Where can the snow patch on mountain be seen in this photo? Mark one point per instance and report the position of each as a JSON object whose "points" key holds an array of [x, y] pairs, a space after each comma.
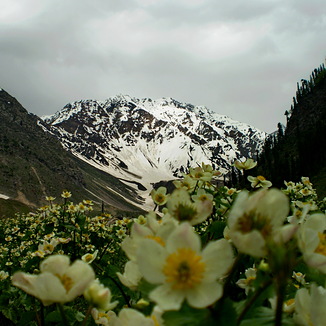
{"points": [[144, 141]]}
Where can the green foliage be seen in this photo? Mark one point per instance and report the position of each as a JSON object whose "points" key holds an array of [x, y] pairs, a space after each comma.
{"points": [[250, 286]]}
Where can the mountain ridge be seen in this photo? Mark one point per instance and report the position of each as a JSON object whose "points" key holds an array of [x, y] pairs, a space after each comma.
{"points": [[147, 141]]}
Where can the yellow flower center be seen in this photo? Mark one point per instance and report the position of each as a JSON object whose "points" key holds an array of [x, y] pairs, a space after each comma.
{"points": [[157, 239], [103, 315], [321, 249], [261, 178], [156, 323], [66, 281], [184, 212], [289, 302], [48, 247], [88, 257], [253, 221], [184, 269], [159, 198]]}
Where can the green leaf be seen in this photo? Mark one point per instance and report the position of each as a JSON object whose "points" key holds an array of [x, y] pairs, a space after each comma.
{"points": [[225, 313], [263, 316], [53, 316], [188, 316]]}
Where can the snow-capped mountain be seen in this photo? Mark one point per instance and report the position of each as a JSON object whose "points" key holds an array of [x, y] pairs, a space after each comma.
{"points": [[143, 141]]}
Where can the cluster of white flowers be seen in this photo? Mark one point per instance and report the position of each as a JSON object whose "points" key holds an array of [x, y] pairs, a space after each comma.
{"points": [[165, 249]]}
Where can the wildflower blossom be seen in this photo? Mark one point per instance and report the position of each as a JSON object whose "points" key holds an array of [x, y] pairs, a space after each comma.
{"points": [[99, 296], [182, 208], [3, 275], [159, 196], [310, 306], [58, 281], [187, 183], [101, 317], [259, 181], [66, 194], [89, 258], [257, 219], [199, 174], [246, 283], [153, 230], [182, 270], [312, 241], [246, 165], [132, 317]]}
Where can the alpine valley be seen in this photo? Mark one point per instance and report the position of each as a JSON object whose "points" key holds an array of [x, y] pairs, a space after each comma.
{"points": [[115, 151]]}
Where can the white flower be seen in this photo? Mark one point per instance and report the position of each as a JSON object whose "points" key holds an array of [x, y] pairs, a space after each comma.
{"points": [[259, 181], [159, 196], [246, 283], [3, 275], [288, 305], [256, 219], [99, 296], [58, 281], [248, 164], [131, 276], [89, 258], [131, 317], [310, 307], [183, 209], [182, 271], [102, 317], [154, 230], [312, 241]]}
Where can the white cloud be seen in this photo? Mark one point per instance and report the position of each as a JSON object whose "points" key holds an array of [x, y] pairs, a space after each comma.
{"points": [[240, 58]]}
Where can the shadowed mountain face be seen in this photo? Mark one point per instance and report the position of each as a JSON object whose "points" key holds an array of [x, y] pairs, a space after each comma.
{"points": [[145, 141], [33, 165]]}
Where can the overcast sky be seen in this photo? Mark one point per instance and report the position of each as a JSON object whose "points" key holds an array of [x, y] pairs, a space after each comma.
{"points": [[241, 58]]}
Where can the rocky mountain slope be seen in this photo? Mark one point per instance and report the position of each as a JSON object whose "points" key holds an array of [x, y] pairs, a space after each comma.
{"points": [[142, 141], [34, 165]]}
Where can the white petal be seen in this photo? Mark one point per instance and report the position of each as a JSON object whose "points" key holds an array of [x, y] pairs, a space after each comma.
{"points": [[204, 294], [316, 222], [167, 298], [274, 204], [183, 237], [218, 257], [56, 264], [238, 208], [131, 275], [131, 317], [251, 243], [82, 275], [318, 304], [151, 258]]}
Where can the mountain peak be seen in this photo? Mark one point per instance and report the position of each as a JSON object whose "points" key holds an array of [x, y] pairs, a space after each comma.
{"points": [[146, 141]]}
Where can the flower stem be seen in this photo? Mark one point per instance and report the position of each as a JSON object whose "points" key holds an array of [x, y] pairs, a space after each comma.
{"points": [[252, 300], [89, 310], [63, 315]]}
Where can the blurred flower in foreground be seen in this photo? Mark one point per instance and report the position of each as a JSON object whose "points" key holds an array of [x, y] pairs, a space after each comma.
{"points": [[103, 317], [132, 317], [99, 296], [58, 281], [312, 241], [182, 270], [257, 219], [310, 307]]}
